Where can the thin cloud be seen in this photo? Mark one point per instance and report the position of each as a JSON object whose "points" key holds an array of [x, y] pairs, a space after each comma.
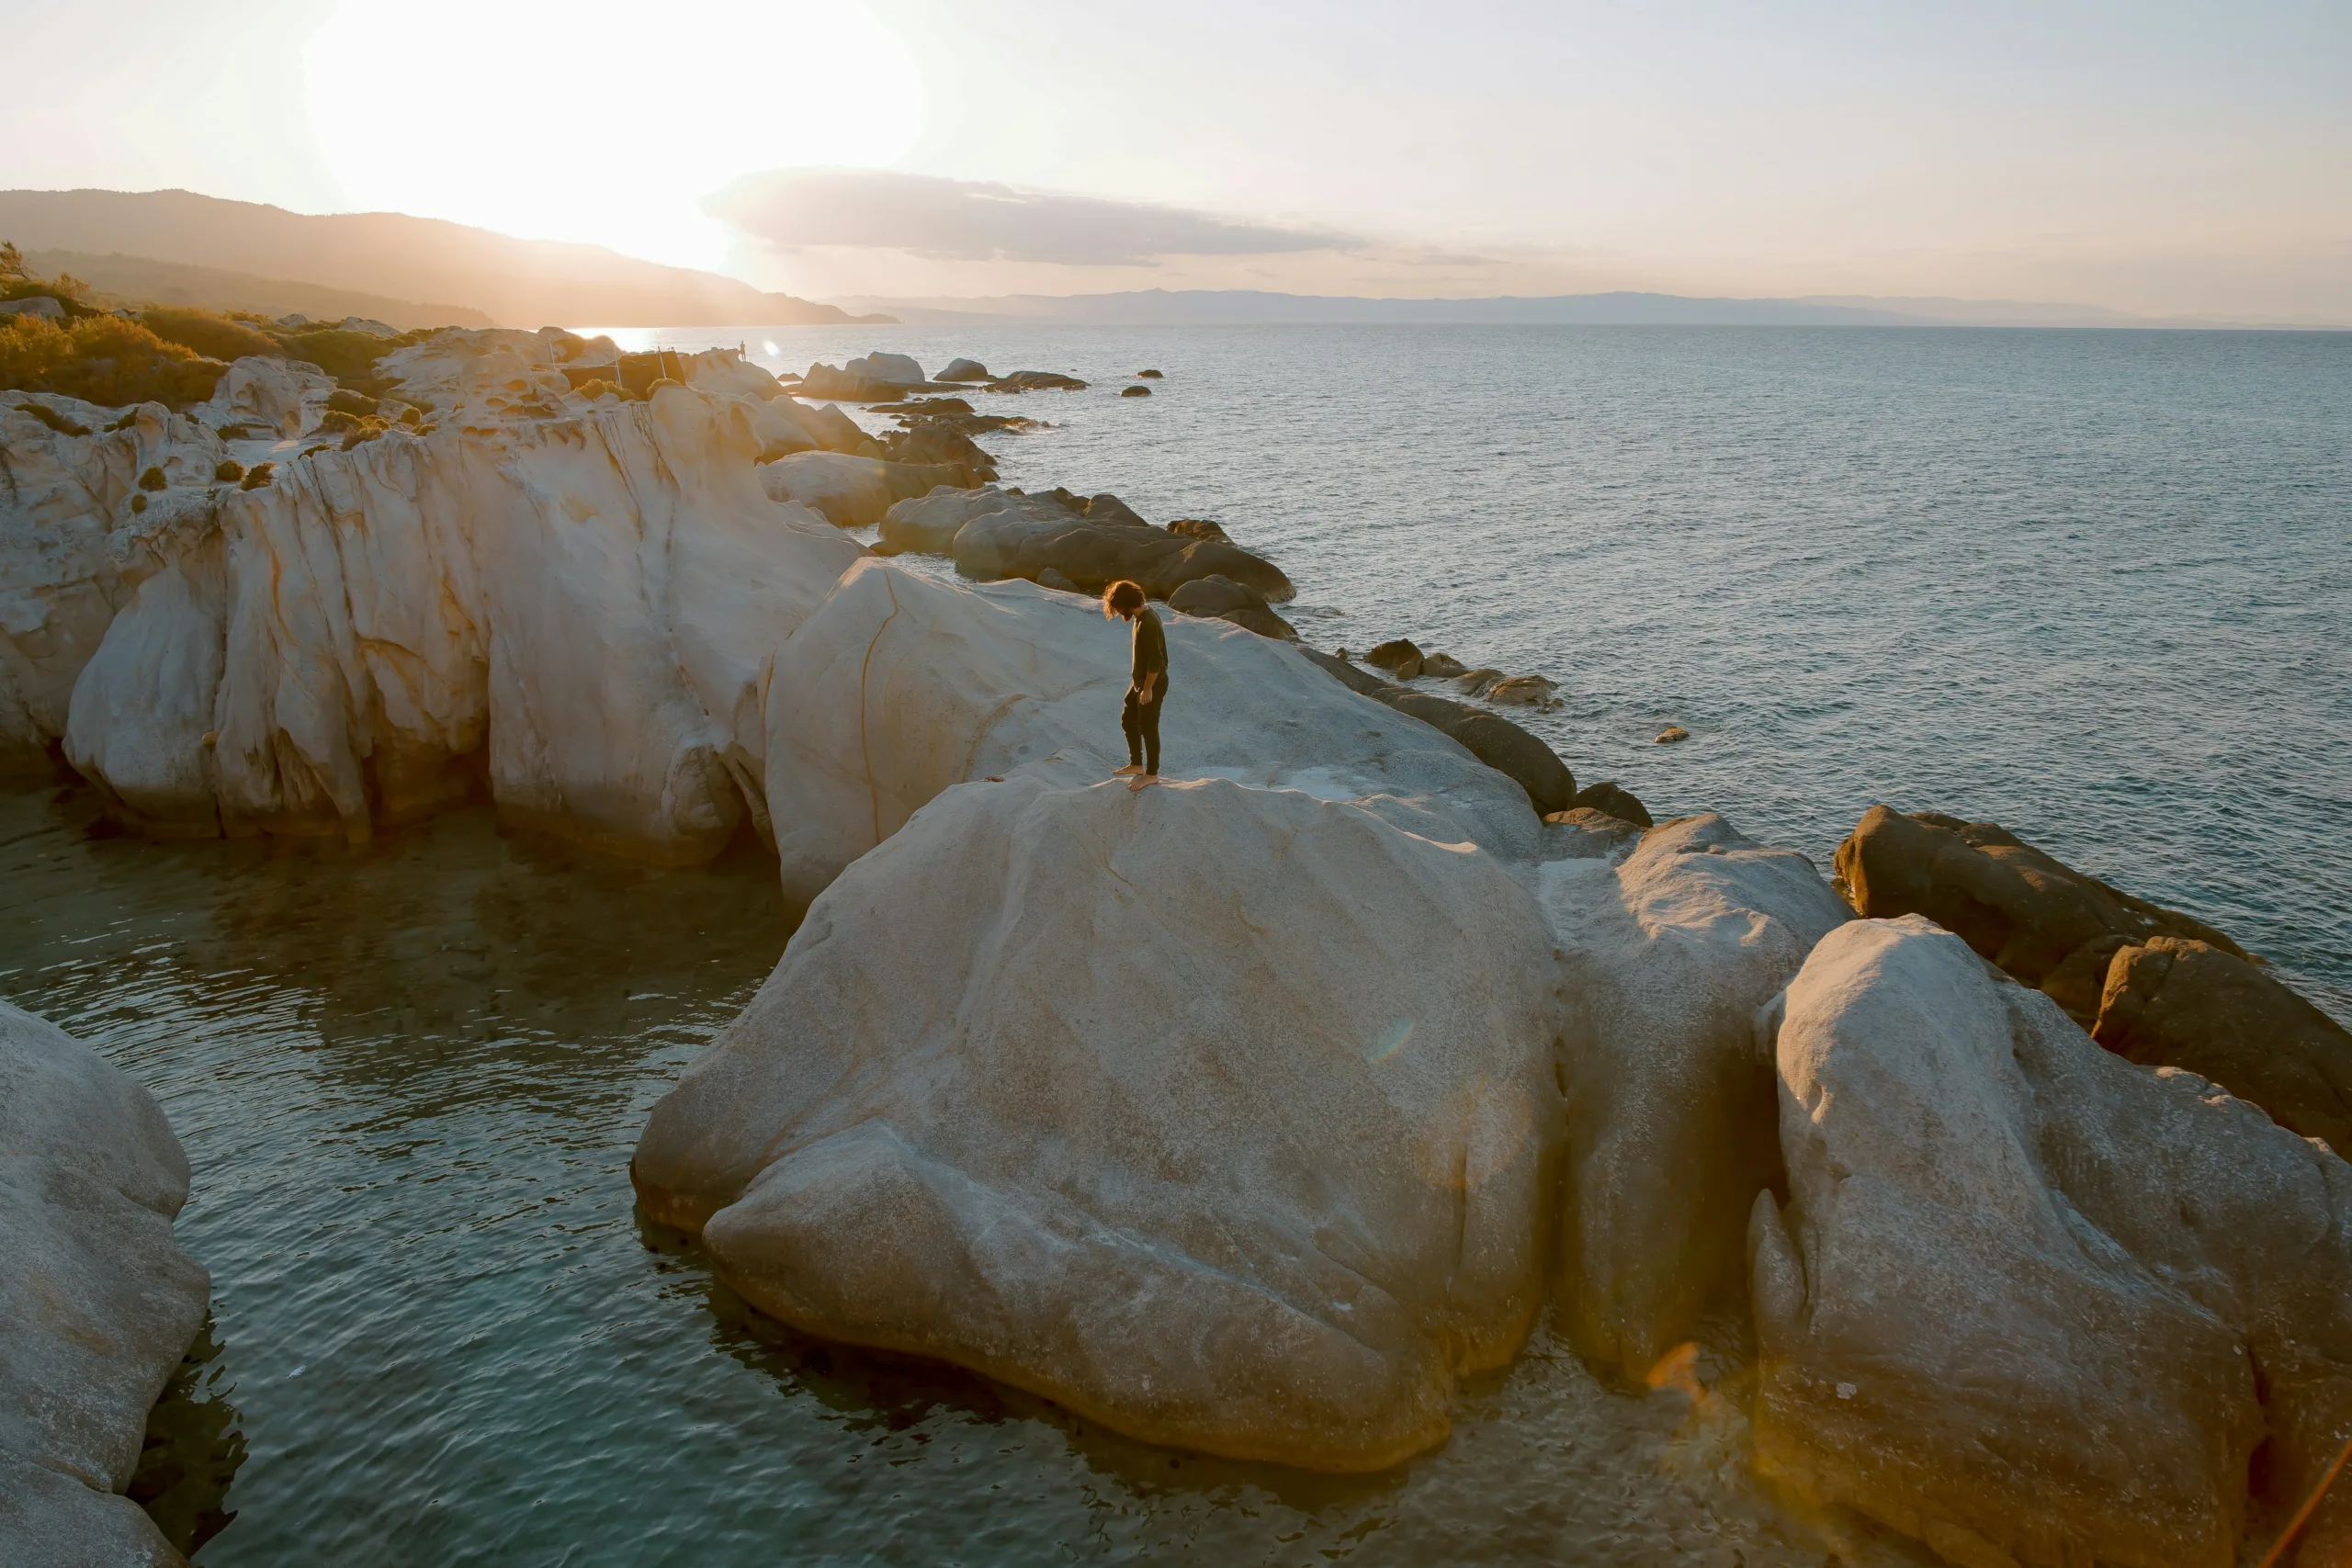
{"points": [[944, 219]]}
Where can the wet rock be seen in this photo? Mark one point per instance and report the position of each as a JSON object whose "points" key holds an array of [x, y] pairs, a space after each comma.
{"points": [[850, 491], [2174, 1002], [1673, 733], [1397, 656], [1616, 800], [2028, 1302], [1474, 683], [1228, 600], [1149, 374], [2043, 921], [1199, 529], [1521, 691], [1443, 666], [1664, 959], [97, 1300], [1208, 1188], [963, 370], [1135, 391]]}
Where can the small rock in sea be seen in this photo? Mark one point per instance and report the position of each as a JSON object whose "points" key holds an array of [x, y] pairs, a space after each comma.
{"points": [[1342, 653], [1442, 664], [1199, 529], [1614, 798], [1050, 578], [1521, 690], [963, 370], [1474, 683], [1149, 374], [1398, 657], [1135, 391], [1672, 734]]}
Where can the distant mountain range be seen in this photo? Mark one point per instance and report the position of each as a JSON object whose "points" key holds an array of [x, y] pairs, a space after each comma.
{"points": [[1245, 307], [413, 271]]}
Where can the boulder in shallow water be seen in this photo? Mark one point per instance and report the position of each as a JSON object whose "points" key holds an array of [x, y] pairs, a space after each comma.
{"points": [[1443, 666], [963, 370], [1100, 546], [1199, 529], [98, 1299], [1495, 741], [1261, 1173], [1521, 691], [1135, 391], [2171, 1002], [1228, 600], [1397, 656], [1615, 799], [1672, 1120], [1036, 381], [2029, 1302]]}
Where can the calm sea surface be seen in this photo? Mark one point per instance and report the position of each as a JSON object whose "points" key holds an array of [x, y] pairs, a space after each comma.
{"points": [[2096, 586]]}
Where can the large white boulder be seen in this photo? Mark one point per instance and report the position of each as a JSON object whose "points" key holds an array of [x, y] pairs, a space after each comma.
{"points": [[1221, 1115], [1672, 1114], [927, 524], [579, 610], [901, 686], [63, 496], [2029, 1302], [97, 1300], [274, 397]]}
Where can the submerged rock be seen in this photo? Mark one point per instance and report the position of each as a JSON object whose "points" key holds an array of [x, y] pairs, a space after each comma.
{"points": [[1135, 391], [1262, 1175], [98, 1299], [2027, 1301], [1397, 656], [1521, 691], [1036, 381], [901, 686], [1664, 960]]}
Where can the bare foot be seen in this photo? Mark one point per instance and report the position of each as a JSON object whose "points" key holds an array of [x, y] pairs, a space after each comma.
{"points": [[1140, 779], [1130, 768]]}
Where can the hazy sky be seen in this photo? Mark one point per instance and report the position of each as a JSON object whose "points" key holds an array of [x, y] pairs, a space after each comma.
{"points": [[2150, 156]]}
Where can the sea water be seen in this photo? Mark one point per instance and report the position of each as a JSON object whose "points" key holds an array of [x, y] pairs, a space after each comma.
{"points": [[2091, 585]]}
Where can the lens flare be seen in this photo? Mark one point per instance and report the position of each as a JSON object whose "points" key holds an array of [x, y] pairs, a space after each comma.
{"points": [[1390, 1041]]}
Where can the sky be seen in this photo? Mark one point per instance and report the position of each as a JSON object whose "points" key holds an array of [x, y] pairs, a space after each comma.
{"points": [[2159, 158]]}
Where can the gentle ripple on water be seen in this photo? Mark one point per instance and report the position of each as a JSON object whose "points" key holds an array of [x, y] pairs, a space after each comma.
{"points": [[2093, 585]]}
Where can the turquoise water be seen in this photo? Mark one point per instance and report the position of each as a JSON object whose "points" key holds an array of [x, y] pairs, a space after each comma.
{"points": [[2093, 585]]}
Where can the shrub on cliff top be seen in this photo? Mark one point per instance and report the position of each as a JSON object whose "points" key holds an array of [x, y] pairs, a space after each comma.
{"points": [[210, 335], [350, 357], [55, 421], [103, 359]]}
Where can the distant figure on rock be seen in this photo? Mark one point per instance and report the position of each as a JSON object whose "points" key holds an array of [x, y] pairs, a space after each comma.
{"points": [[1146, 681]]}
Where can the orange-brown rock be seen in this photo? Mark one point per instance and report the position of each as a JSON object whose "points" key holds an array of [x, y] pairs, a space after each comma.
{"points": [[2175, 1003]]}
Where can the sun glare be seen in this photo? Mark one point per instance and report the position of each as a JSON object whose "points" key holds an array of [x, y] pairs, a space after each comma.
{"points": [[600, 121]]}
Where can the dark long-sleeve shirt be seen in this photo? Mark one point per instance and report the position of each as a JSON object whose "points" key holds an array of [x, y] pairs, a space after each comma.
{"points": [[1151, 646]]}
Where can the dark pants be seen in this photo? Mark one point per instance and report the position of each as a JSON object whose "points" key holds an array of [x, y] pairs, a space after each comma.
{"points": [[1140, 719]]}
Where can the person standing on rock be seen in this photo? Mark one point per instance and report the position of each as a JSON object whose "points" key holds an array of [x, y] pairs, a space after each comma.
{"points": [[1146, 681]]}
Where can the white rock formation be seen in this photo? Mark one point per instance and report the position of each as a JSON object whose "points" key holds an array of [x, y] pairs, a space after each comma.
{"points": [[852, 491], [274, 397], [2029, 1302], [578, 610], [1671, 1109], [927, 524], [97, 1300], [1221, 1115], [901, 686], [61, 495]]}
